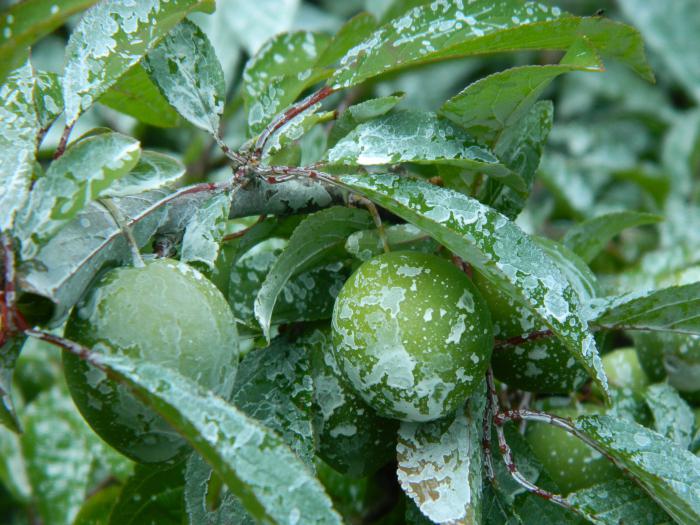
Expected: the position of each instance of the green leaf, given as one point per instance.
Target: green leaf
(520, 148)
(274, 386)
(256, 22)
(496, 102)
(588, 238)
(58, 456)
(496, 247)
(670, 30)
(440, 464)
(256, 465)
(200, 484)
(314, 239)
(348, 36)
(366, 244)
(278, 73)
(185, 68)
(9, 352)
(439, 31)
(307, 296)
(362, 112)
(13, 469)
(205, 230)
(154, 170)
(25, 22)
(668, 473)
(418, 137)
(48, 98)
(19, 129)
(619, 501)
(136, 95)
(673, 309)
(85, 170)
(111, 38)
(293, 130)
(97, 508)
(153, 494)
(673, 417)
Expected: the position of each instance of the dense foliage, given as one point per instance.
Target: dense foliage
(186, 187)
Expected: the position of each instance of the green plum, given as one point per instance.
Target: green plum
(164, 312)
(545, 364)
(568, 461)
(352, 437)
(412, 335)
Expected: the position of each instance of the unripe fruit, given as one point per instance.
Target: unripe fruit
(545, 364)
(570, 463)
(165, 313)
(352, 437)
(412, 335)
(624, 371)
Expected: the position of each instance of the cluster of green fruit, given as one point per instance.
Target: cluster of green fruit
(411, 339)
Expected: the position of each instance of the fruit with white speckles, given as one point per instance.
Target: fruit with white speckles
(165, 313)
(672, 355)
(412, 335)
(570, 463)
(624, 371)
(544, 364)
(352, 437)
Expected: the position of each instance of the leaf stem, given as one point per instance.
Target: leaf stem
(288, 115)
(121, 221)
(61, 148)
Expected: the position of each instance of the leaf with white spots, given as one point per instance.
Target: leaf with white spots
(314, 239)
(450, 29)
(58, 455)
(48, 98)
(488, 106)
(13, 468)
(274, 386)
(278, 73)
(293, 130)
(348, 36)
(617, 502)
(136, 95)
(669, 473)
(205, 230)
(673, 417)
(519, 147)
(19, 129)
(200, 479)
(362, 112)
(154, 170)
(440, 464)
(496, 247)
(421, 138)
(79, 176)
(110, 38)
(307, 296)
(252, 460)
(185, 68)
(23, 23)
(673, 309)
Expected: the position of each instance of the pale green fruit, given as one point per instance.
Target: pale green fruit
(568, 461)
(412, 335)
(165, 313)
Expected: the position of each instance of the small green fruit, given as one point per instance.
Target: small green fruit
(545, 364)
(352, 437)
(570, 463)
(165, 313)
(624, 371)
(412, 335)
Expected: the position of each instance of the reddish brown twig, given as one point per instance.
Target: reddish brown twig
(241, 233)
(518, 340)
(63, 142)
(288, 115)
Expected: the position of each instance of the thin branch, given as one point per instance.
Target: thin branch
(61, 148)
(288, 115)
(374, 212)
(241, 233)
(122, 222)
(236, 158)
(518, 340)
